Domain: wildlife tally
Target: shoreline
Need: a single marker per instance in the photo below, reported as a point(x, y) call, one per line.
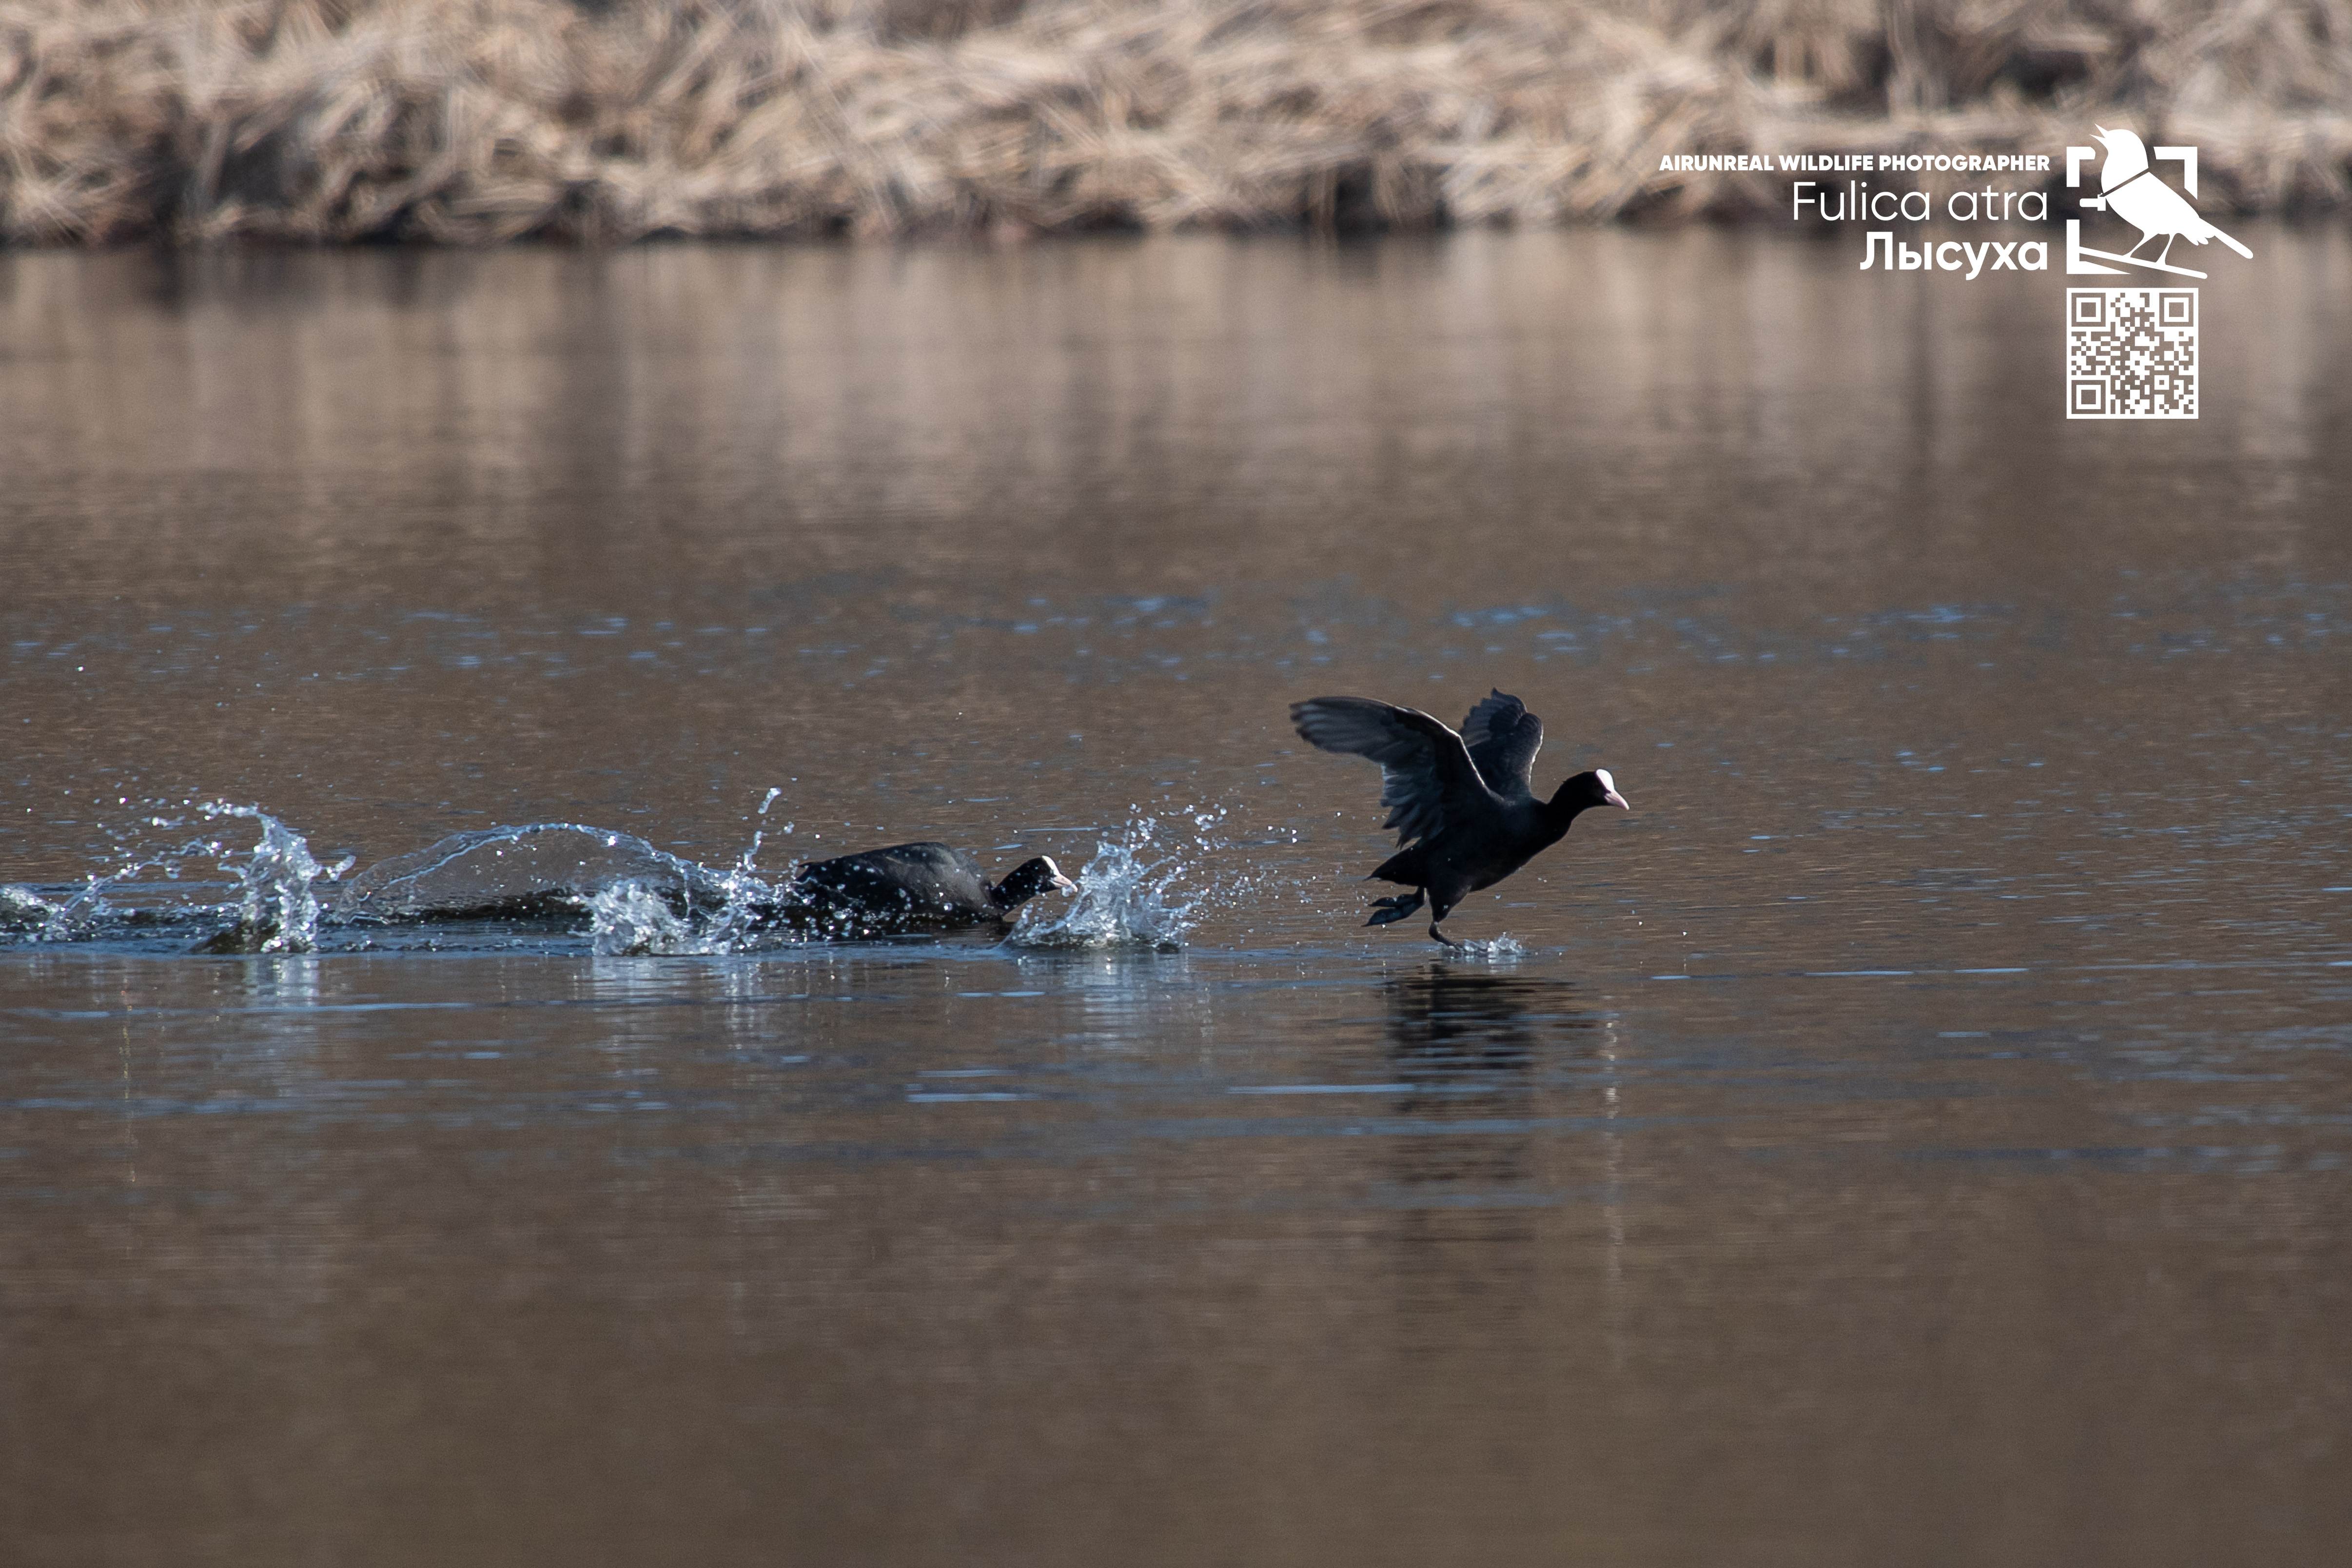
point(474, 122)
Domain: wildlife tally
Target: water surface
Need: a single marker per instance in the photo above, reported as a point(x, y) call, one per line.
point(1918, 1132)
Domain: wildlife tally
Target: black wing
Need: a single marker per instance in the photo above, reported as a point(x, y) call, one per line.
point(920, 870)
point(1427, 779)
point(1504, 738)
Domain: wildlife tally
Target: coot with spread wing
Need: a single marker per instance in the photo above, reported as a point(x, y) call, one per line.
point(1464, 805)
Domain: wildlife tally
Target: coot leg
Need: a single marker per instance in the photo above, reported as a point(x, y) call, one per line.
point(1438, 909)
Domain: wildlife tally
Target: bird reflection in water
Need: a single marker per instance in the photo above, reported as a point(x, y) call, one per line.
point(1492, 1061)
point(1467, 1041)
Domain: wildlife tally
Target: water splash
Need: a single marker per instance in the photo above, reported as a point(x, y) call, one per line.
point(1139, 889)
point(25, 912)
point(1145, 887)
point(630, 918)
point(747, 911)
point(637, 899)
point(85, 913)
point(747, 915)
point(749, 861)
point(271, 906)
point(537, 870)
point(1504, 949)
point(277, 910)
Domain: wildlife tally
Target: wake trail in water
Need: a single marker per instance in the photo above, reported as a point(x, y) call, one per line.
point(1146, 886)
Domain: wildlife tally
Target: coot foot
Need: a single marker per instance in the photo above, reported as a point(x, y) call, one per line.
point(1392, 910)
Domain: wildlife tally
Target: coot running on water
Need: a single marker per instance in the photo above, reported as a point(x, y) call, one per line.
point(920, 886)
point(1461, 804)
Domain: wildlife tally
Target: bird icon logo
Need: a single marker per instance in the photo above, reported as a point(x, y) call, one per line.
point(2130, 188)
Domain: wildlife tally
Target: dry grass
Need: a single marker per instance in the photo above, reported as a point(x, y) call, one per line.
point(468, 121)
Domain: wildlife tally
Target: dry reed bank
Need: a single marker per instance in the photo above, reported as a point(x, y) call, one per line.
point(475, 121)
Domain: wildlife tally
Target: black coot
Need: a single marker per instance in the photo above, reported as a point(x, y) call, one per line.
point(1461, 804)
point(920, 886)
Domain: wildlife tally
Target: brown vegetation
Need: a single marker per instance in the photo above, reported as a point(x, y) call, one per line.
point(475, 121)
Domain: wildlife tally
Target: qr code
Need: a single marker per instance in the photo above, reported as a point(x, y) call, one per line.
point(2131, 354)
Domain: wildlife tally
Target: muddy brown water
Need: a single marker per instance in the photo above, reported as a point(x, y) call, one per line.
point(1918, 1132)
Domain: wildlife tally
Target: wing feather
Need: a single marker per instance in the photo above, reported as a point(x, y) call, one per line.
point(1427, 778)
point(1502, 739)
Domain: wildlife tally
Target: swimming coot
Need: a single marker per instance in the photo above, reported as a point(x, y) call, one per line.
point(1461, 804)
point(920, 886)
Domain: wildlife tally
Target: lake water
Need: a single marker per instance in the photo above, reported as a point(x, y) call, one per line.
point(1918, 1132)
